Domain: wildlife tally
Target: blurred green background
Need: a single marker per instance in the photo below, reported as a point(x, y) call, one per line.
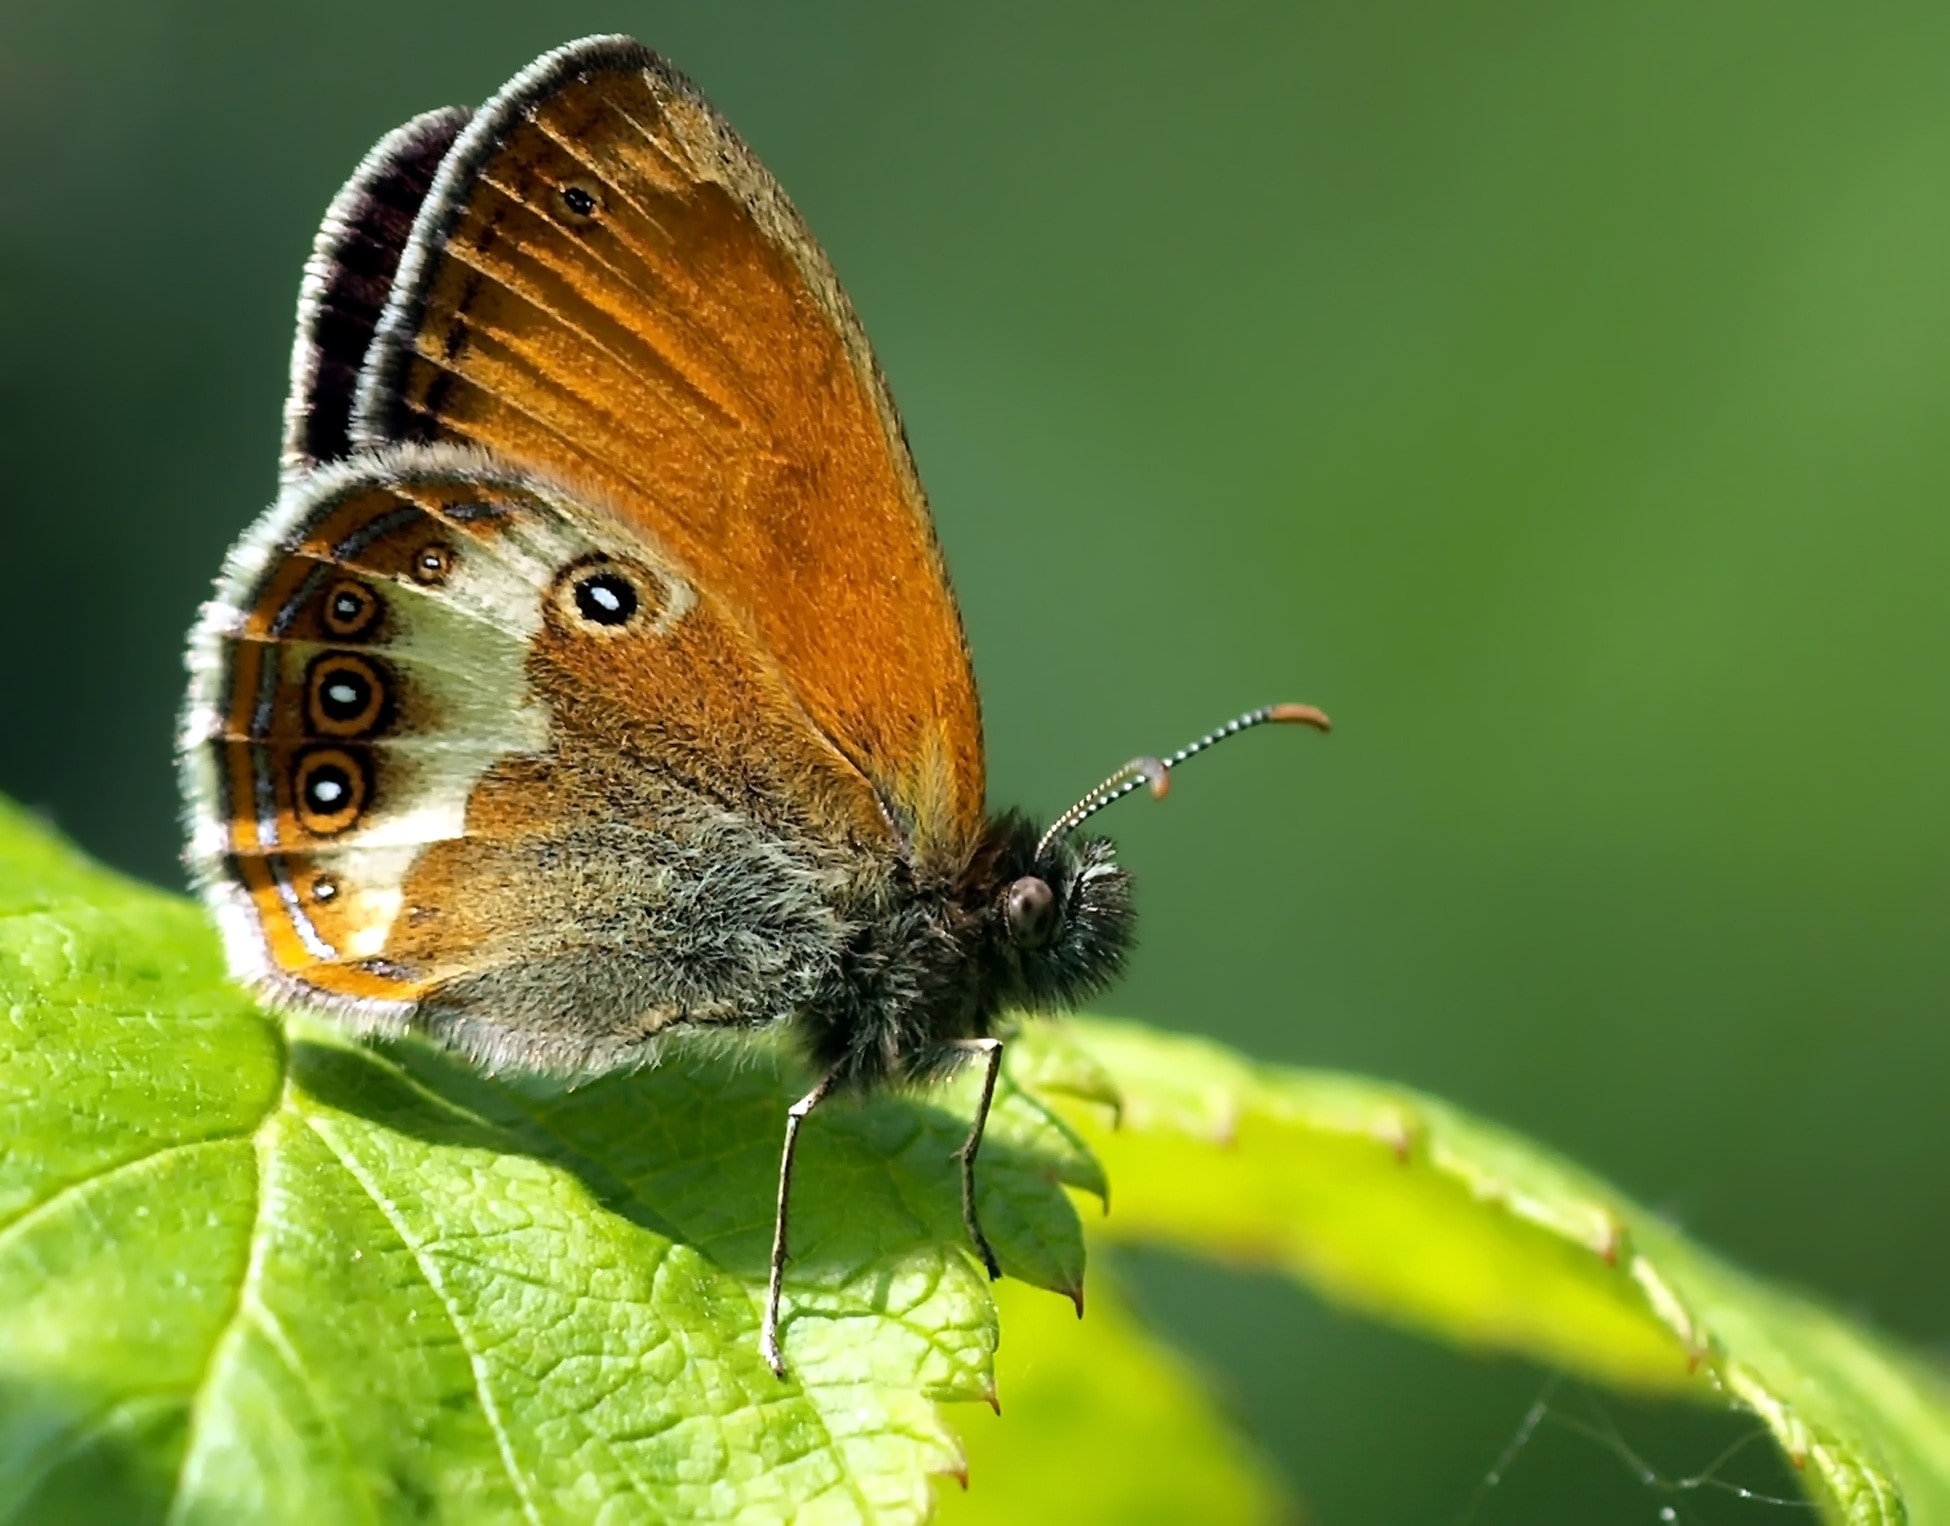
point(1558, 395)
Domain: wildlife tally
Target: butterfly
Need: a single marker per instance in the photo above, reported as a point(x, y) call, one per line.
point(595, 678)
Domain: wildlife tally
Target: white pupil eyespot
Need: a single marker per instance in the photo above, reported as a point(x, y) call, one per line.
point(327, 790)
point(343, 694)
point(605, 596)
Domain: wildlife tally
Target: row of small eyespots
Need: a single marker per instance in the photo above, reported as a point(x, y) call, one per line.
point(348, 695)
point(345, 695)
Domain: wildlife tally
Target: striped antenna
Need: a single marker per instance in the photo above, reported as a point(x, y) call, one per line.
point(1156, 772)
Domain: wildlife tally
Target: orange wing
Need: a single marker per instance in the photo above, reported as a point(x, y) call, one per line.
point(605, 285)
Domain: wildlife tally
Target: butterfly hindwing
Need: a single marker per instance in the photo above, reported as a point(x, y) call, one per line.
point(604, 286)
point(459, 748)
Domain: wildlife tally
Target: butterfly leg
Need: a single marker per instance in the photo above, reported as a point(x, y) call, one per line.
point(768, 1335)
point(991, 1052)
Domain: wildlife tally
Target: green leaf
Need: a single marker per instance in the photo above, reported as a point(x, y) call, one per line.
point(1409, 1210)
point(251, 1271)
point(1100, 1422)
point(256, 1273)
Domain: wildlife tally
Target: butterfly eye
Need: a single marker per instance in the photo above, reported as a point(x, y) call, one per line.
point(581, 200)
point(1030, 909)
point(432, 563)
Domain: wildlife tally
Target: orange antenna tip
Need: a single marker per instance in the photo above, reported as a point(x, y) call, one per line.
point(1304, 715)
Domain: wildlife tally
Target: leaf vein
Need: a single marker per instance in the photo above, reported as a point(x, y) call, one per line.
point(188, 1470)
point(24, 1221)
point(430, 1270)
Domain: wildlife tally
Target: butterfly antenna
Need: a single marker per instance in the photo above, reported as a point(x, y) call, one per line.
point(1156, 772)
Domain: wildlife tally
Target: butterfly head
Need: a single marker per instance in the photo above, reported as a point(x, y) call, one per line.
point(1058, 917)
point(1059, 910)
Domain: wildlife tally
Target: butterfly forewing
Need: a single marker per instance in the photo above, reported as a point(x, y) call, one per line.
point(606, 287)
